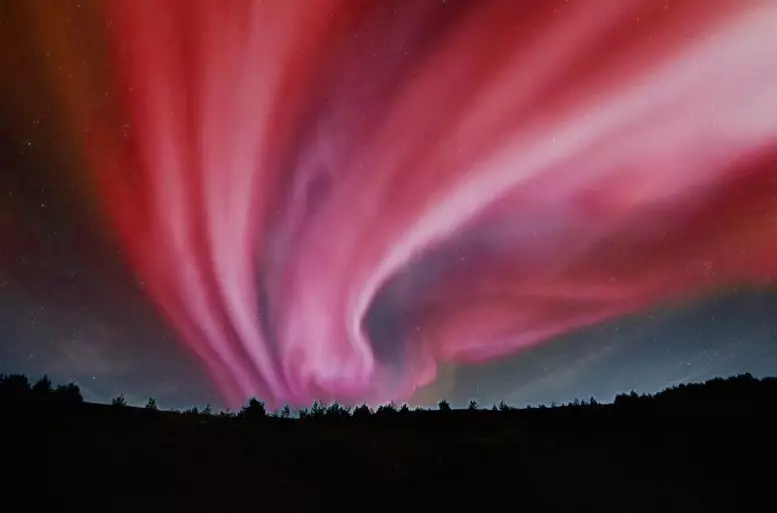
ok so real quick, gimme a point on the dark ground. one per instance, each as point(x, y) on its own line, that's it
point(705, 448)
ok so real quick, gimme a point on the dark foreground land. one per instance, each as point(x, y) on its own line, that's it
point(706, 448)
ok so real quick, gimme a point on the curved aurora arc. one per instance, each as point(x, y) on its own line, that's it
point(330, 200)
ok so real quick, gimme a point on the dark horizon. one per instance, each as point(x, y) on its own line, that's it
point(706, 447)
point(45, 382)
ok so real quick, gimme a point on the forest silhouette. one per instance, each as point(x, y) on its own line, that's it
point(698, 447)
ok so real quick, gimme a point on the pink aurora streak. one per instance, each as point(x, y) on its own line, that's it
point(478, 176)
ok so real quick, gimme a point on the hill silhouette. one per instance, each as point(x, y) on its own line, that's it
point(701, 447)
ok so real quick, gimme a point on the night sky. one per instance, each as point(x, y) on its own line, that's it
point(528, 201)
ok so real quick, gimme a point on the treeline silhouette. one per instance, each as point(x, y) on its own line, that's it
point(698, 447)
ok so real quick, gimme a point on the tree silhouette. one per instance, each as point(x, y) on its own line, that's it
point(627, 400)
point(285, 412)
point(318, 409)
point(119, 401)
point(15, 387)
point(473, 405)
point(151, 404)
point(386, 412)
point(43, 387)
point(444, 405)
point(69, 393)
point(336, 411)
point(254, 410)
point(361, 412)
